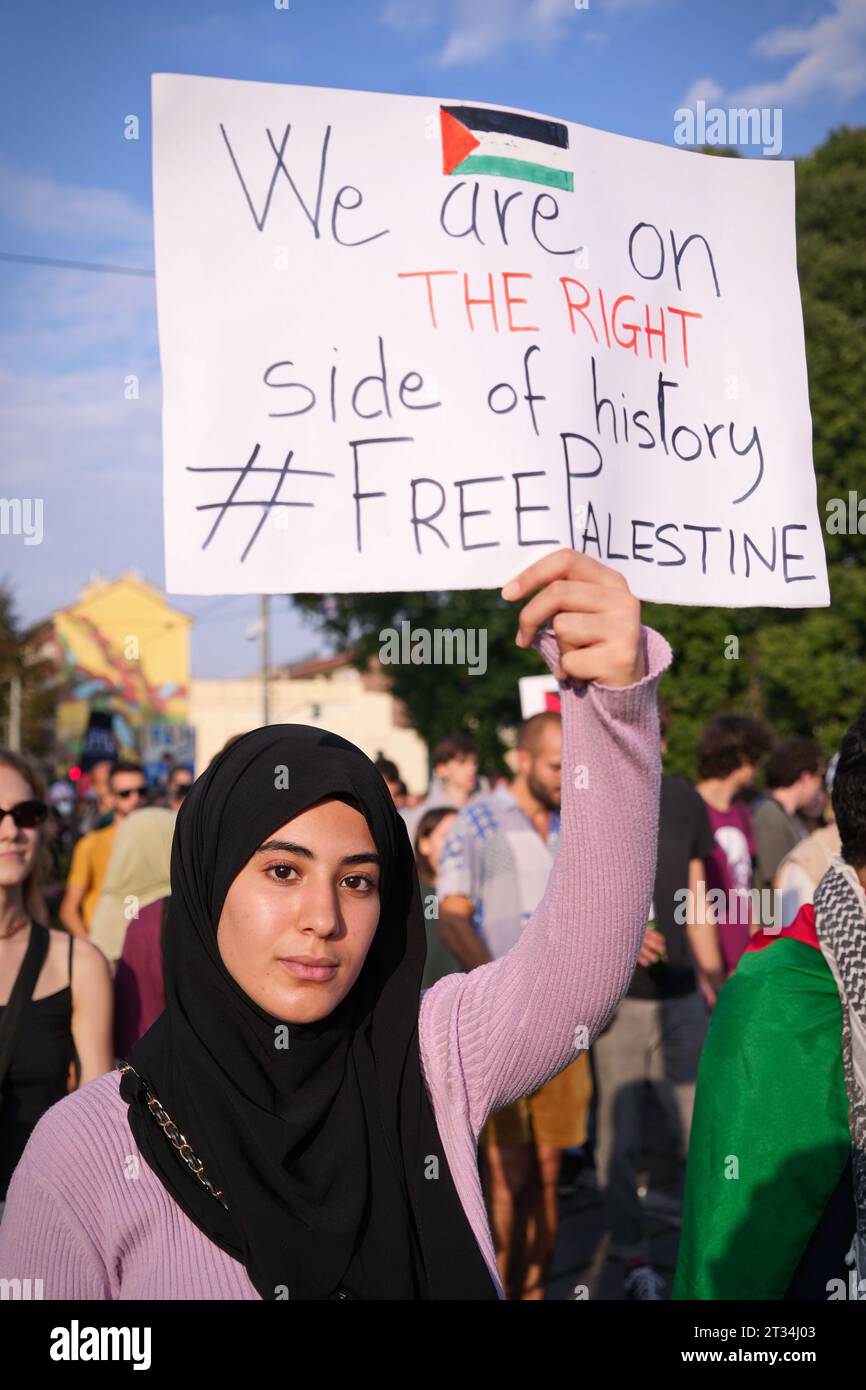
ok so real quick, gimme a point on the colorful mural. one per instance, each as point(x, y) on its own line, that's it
point(121, 647)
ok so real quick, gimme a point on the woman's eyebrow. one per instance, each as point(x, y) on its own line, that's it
point(289, 847)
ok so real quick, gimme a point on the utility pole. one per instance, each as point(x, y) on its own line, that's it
point(266, 655)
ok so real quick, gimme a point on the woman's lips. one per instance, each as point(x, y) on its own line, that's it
point(303, 971)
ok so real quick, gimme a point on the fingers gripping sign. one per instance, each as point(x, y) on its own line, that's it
point(594, 615)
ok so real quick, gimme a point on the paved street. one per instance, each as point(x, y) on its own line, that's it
point(582, 1246)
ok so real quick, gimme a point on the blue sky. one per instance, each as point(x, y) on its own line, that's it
point(73, 188)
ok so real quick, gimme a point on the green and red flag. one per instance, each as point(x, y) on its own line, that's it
point(770, 1135)
point(480, 140)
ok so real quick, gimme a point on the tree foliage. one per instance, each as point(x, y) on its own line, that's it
point(38, 698)
point(440, 699)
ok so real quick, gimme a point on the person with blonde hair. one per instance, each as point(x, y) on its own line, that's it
point(137, 876)
point(130, 920)
point(56, 1007)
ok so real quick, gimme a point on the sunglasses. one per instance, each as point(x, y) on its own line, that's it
point(181, 788)
point(27, 814)
point(132, 791)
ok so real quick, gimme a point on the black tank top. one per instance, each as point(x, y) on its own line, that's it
point(39, 1072)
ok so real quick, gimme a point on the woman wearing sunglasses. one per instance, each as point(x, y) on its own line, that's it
point(296, 1125)
point(61, 1011)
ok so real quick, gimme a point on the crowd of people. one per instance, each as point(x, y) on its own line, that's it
point(608, 959)
point(733, 862)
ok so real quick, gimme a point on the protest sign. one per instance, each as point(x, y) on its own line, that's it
point(416, 344)
point(538, 694)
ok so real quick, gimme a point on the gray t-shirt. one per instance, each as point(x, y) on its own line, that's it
point(776, 834)
point(495, 857)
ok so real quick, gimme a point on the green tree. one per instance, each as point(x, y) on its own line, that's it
point(803, 670)
point(38, 698)
point(440, 699)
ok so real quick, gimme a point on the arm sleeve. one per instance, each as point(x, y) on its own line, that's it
point(460, 864)
point(43, 1240)
point(768, 844)
point(503, 1029)
point(704, 841)
point(772, 842)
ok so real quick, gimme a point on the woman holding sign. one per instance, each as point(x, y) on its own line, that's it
point(294, 1126)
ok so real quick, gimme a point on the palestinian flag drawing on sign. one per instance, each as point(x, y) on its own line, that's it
point(477, 140)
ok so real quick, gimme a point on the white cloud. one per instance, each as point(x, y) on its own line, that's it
point(67, 435)
point(407, 15)
point(481, 29)
point(702, 89)
point(75, 215)
point(830, 61)
point(484, 28)
point(58, 318)
point(94, 459)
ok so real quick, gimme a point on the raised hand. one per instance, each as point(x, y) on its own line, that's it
point(594, 615)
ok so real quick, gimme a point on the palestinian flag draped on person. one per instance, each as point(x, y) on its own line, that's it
point(774, 1204)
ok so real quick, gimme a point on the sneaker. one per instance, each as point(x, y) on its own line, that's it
point(644, 1283)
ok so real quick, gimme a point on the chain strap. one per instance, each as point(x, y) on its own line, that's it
point(174, 1136)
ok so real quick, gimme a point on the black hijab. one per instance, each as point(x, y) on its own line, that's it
point(327, 1150)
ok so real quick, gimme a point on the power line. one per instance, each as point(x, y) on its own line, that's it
point(74, 265)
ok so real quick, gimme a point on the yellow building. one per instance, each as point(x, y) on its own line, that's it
point(329, 694)
point(121, 647)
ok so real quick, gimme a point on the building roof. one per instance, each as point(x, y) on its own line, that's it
point(314, 666)
point(99, 586)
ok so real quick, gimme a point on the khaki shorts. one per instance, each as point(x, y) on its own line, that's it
point(556, 1114)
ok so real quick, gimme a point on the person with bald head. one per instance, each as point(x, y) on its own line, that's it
point(492, 874)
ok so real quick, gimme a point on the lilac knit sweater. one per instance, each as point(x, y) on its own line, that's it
point(87, 1216)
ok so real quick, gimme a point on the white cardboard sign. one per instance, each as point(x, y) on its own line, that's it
point(416, 344)
point(537, 694)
